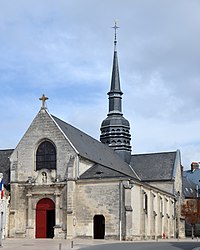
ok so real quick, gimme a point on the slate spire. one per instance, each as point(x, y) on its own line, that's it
point(115, 94)
point(115, 128)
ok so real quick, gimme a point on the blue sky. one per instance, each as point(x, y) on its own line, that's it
point(64, 49)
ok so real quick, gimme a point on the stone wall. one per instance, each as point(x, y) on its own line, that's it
point(23, 158)
point(25, 177)
point(97, 198)
point(152, 213)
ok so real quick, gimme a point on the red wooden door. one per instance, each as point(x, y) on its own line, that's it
point(41, 224)
point(42, 207)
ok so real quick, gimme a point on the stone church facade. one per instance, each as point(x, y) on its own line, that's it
point(66, 184)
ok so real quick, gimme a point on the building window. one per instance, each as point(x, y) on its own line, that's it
point(46, 156)
point(145, 202)
point(161, 207)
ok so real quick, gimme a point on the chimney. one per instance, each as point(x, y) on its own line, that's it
point(194, 166)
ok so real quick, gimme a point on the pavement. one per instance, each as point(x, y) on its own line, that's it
point(48, 244)
point(54, 244)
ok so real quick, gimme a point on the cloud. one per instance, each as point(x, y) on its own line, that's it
point(64, 49)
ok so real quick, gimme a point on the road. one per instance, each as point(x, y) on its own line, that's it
point(147, 246)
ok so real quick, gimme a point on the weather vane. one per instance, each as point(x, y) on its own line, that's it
point(115, 27)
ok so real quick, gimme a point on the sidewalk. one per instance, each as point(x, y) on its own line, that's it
point(51, 244)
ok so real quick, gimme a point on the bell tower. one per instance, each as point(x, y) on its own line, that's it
point(115, 129)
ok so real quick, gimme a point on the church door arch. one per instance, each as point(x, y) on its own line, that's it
point(45, 218)
point(99, 227)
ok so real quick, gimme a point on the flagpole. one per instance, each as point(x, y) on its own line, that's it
point(1, 207)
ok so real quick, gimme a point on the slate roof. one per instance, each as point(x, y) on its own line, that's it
point(94, 150)
point(5, 165)
point(189, 187)
point(154, 166)
point(191, 183)
point(193, 176)
point(99, 172)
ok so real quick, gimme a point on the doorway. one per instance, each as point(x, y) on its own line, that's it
point(45, 218)
point(99, 227)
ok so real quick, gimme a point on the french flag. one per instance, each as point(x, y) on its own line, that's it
point(2, 188)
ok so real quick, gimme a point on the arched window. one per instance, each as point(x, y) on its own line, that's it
point(46, 156)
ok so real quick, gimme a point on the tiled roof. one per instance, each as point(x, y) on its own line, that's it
point(154, 166)
point(5, 164)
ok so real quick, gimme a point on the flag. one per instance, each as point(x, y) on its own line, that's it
point(2, 188)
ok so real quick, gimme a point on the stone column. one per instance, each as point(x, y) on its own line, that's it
point(30, 227)
point(128, 210)
point(58, 233)
point(57, 208)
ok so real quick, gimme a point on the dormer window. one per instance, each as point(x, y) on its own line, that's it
point(46, 156)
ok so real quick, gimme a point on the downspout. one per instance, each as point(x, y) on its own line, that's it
point(120, 209)
point(77, 167)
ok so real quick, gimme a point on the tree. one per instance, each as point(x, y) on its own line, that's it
point(191, 211)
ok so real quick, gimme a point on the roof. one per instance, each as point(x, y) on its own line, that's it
point(94, 150)
point(194, 175)
point(99, 172)
point(154, 166)
point(5, 164)
point(191, 183)
point(189, 187)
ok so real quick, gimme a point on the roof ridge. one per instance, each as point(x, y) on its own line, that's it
point(155, 153)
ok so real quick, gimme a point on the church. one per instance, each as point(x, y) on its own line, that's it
point(62, 183)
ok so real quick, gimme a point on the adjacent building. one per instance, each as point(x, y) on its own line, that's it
point(191, 192)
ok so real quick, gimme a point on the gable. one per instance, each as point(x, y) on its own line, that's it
point(42, 128)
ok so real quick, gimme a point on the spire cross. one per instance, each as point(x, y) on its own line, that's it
point(43, 99)
point(115, 27)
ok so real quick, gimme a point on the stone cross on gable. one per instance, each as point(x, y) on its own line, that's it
point(43, 99)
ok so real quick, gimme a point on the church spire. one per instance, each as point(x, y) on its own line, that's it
point(115, 93)
point(115, 128)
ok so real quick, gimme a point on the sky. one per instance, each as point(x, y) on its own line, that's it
point(64, 49)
